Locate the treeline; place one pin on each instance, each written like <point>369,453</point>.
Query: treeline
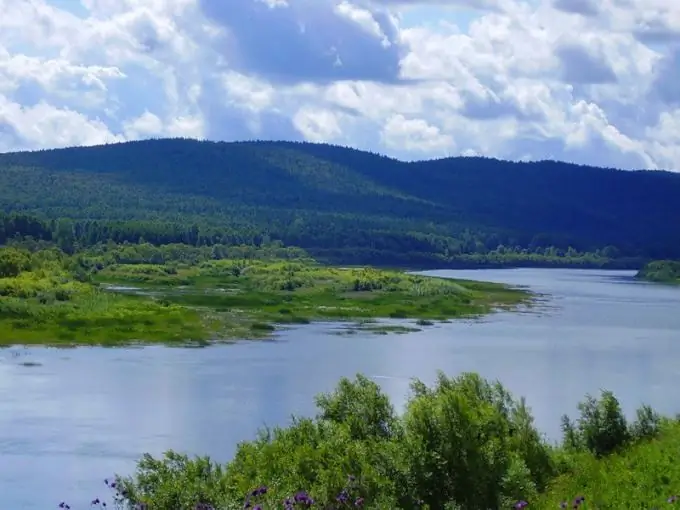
<point>345,202</point>
<point>334,245</point>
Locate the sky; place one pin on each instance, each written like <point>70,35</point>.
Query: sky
<point>587,81</point>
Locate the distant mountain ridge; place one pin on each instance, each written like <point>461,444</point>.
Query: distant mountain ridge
<point>534,204</point>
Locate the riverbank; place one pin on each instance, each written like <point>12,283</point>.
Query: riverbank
<point>114,297</point>
<point>437,455</point>
<point>661,271</point>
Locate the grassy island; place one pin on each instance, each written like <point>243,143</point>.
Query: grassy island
<point>661,271</point>
<point>114,294</point>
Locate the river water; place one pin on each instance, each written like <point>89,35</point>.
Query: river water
<point>71,417</point>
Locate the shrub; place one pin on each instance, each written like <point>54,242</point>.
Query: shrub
<point>13,262</point>
<point>647,424</point>
<point>464,443</point>
<point>602,428</point>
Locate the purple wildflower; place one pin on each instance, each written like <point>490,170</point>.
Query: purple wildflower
<point>343,496</point>
<point>304,498</point>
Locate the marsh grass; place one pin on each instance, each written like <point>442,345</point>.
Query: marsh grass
<point>284,292</point>
<point>98,319</point>
<point>47,306</point>
<point>53,299</point>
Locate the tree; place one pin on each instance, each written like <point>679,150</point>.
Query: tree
<point>13,262</point>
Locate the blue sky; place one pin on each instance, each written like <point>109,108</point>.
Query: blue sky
<point>432,16</point>
<point>73,6</point>
<point>587,81</point>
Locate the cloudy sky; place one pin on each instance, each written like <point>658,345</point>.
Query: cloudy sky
<point>590,81</point>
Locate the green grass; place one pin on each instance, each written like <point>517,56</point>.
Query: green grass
<point>287,292</point>
<point>46,305</point>
<point>42,302</point>
<point>644,475</point>
<point>91,316</point>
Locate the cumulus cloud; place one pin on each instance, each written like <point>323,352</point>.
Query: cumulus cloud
<point>590,82</point>
<point>415,135</point>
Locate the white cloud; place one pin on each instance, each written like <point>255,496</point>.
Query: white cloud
<point>317,125</point>
<point>21,127</point>
<point>591,82</point>
<point>362,17</point>
<point>415,135</point>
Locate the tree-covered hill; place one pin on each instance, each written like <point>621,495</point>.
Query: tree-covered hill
<point>353,205</point>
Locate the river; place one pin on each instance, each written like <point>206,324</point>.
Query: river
<point>71,417</point>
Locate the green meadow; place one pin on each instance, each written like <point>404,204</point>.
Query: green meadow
<point>107,297</point>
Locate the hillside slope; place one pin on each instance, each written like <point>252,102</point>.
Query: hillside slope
<point>327,197</point>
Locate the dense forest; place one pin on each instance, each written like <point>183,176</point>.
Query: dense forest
<point>341,204</point>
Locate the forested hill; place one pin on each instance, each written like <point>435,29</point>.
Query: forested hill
<point>348,204</point>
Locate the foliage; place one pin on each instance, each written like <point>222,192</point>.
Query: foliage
<point>642,475</point>
<point>44,303</point>
<point>186,293</point>
<point>602,427</point>
<point>342,205</point>
<point>663,271</point>
<point>13,262</point>
<point>463,443</point>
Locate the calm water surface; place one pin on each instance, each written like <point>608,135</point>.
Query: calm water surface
<point>80,415</point>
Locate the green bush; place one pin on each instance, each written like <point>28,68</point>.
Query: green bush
<point>463,443</point>
<point>602,428</point>
<point>13,262</point>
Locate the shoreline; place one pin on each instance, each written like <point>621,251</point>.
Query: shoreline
<point>227,300</point>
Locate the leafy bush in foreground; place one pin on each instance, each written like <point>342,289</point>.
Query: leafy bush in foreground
<point>464,443</point>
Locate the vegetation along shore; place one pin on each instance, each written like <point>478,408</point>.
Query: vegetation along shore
<point>661,271</point>
<point>464,443</point>
<point>116,294</point>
